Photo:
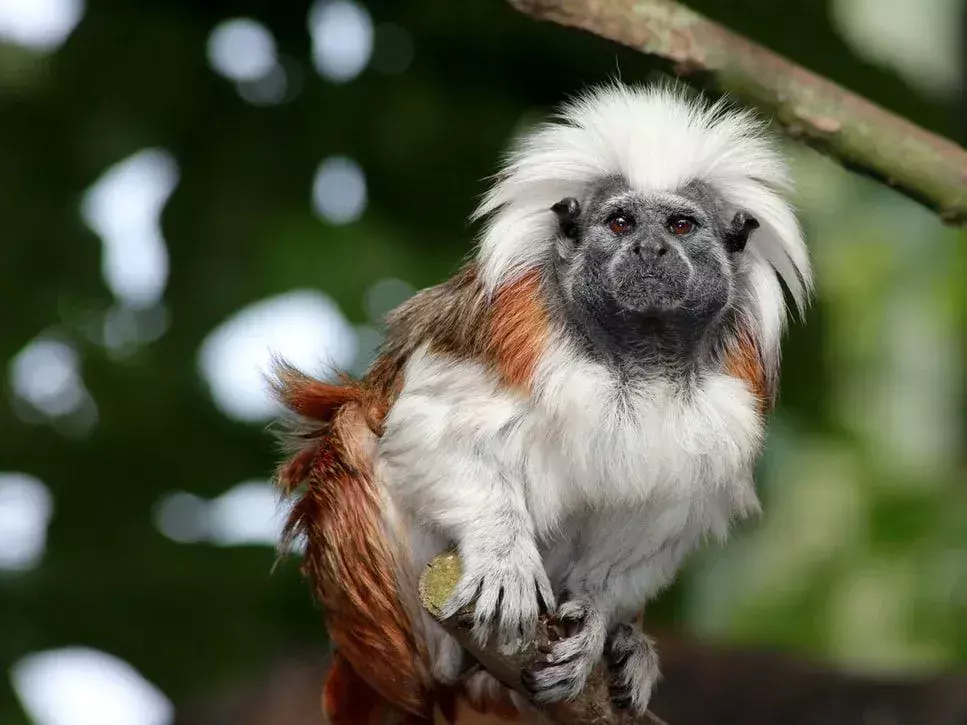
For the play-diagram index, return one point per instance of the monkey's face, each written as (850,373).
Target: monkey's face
(626,255)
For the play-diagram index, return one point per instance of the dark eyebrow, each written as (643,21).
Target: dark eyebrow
(684,208)
(702,195)
(682,201)
(618,202)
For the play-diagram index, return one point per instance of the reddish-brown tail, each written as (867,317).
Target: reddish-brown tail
(348,559)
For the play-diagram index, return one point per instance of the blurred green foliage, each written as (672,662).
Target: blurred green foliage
(861,554)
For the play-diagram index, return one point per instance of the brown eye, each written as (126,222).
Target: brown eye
(620,224)
(680,225)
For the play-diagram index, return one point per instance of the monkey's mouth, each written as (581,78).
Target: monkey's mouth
(649,291)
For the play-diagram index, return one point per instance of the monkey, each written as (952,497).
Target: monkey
(575,410)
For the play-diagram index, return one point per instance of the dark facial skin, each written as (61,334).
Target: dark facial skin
(645,278)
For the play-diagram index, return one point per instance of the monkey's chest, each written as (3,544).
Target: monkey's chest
(646,465)
(628,553)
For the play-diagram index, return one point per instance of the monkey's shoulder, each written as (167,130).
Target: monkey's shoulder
(579,417)
(450,317)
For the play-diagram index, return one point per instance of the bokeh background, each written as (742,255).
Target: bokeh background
(186,186)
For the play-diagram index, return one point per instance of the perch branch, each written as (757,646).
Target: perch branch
(862,136)
(591,707)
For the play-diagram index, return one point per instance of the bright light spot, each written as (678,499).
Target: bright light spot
(241,49)
(386,295)
(124,208)
(46,374)
(368,341)
(393,51)
(248,513)
(342,38)
(920,40)
(182,517)
(25,509)
(339,190)
(269,90)
(126,328)
(40,24)
(82,686)
(304,327)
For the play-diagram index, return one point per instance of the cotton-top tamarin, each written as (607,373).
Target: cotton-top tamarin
(573,411)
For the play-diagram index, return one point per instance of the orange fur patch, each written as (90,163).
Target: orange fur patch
(311,398)
(347,699)
(744,362)
(519,330)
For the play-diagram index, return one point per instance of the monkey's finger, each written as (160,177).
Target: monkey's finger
(572,615)
(548,684)
(617,658)
(557,693)
(620,697)
(557,656)
(545,595)
(572,611)
(528,605)
(485,611)
(549,676)
(464,593)
(489,598)
(518,616)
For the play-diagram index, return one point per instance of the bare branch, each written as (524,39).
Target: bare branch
(862,136)
(592,707)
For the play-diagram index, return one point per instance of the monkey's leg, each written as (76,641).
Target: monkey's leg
(564,671)
(633,664)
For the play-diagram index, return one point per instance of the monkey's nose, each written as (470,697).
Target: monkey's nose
(650,249)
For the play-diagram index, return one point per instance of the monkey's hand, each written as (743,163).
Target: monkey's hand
(564,671)
(508,585)
(633,667)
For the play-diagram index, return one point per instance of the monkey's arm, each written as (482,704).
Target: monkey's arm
(442,459)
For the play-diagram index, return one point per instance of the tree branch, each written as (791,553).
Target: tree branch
(862,136)
(591,707)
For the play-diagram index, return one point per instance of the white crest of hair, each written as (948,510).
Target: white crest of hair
(658,139)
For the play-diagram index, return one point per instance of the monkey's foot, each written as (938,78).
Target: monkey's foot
(633,665)
(563,672)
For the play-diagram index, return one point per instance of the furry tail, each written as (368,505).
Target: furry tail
(347,699)
(349,560)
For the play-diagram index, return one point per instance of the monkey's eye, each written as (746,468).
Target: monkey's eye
(680,225)
(621,223)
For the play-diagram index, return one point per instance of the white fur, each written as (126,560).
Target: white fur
(658,140)
(611,491)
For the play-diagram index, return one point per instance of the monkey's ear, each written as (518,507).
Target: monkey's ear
(736,236)
(568,210)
